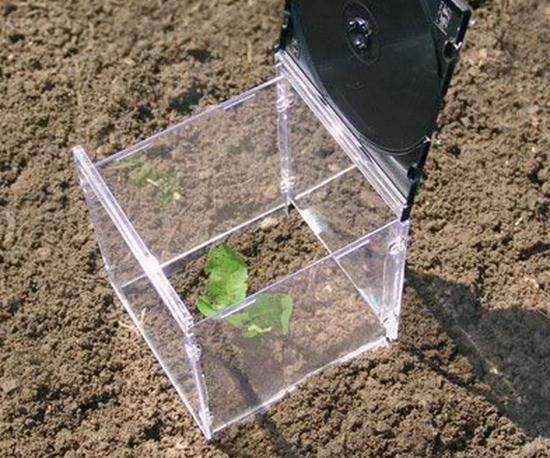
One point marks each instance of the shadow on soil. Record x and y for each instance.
(509, 350)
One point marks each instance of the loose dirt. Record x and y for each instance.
(470, 374)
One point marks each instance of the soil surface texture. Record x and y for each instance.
(470, 375)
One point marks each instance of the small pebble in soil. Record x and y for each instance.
(268, 223)
(9, 386)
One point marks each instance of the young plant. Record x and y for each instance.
(227, 284)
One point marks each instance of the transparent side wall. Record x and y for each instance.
(149, 312)
(330, 321)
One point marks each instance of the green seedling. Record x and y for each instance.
(227, 284)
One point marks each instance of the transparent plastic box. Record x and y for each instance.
(270, 168)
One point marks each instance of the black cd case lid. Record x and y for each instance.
(384, 67)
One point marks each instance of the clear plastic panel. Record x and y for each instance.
(377, 273)
(343, 209)
(353, 147)
(118, 260)
(314, 155)
(202, 178)
(175, 351)
(330, 320)
(328, 189)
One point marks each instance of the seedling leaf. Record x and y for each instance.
(270, 312)
(227, 278)
(254, 330)
(227, 285)
(205, 307)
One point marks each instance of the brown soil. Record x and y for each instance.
(470, 374)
